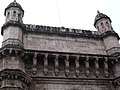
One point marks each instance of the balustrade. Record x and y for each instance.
(87, 67)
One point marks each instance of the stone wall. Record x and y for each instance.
(56, 43)
(72, 84)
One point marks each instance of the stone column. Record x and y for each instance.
(45, 70)
(106, 67)
(35, 63)
(56, 71)
(77, 70)
(96, 67)
(67, 72)
(87, 66)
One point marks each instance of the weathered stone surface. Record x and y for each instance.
(63, 44)
(73, 85)
(37, 57)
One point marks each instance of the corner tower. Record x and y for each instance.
(13, 28)
(12, 68)
(14, 12)
(102, 22)
(110, 38)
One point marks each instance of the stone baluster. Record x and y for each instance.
(45, 64)
(106, 67)
(67, 72)
(35, 63)
(87, 66)
(56, 71)
(97, 67)
(77, 70)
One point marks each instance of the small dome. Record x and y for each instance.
(14, 4)
(100, 16)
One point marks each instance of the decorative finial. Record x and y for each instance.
(98, 11)
(14, 0)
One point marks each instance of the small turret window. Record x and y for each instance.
(19, 17)
(102, 25)
(107, 24)
(14, 13)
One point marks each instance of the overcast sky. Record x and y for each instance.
(79, 14)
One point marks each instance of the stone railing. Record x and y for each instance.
(69, 65)
(61, 30)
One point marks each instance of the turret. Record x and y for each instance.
(12, 72)
(102, 23)
(14, 12)
(110, 38)
(13, 28)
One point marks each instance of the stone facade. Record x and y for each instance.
(36, 57)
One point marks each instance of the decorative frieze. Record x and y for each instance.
(14, 78)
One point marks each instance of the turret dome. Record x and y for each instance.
(13, 4)
(100, 16)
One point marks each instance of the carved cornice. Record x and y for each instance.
(109, 33)
(61, 31)
(73, 81)
(4, 52)
(116, 82)
(15, 75)
(68, 31)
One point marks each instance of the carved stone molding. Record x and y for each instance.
(116, 82)
(15, 75)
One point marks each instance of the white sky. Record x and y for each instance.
(68, 13)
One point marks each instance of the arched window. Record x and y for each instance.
(19, 17)
(14, 13)
(102, 25)
(107, 24)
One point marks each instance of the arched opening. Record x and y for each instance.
(102, 25)
(82, 64)
(61, 65)
(107, 24)
(19, 17)
(14, 13)
(92, 65)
